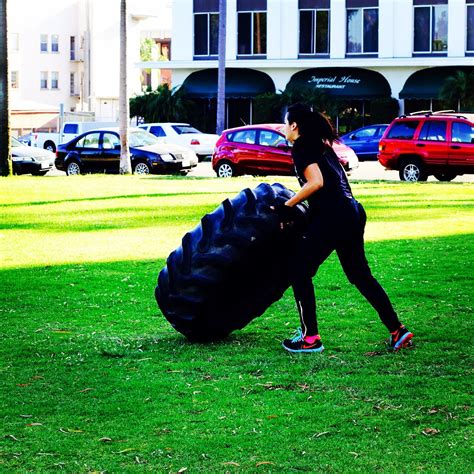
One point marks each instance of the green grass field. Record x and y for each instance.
(93, 378)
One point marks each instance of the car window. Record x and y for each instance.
(110, 141)
(71, 128)
(462, 133)
(181, 129)
(244, 136)
(433, 131)
(381, 131)
(91, 140)
(268, 138)
(157, 131)
(140, 138)
(14, 142)
(366, 133)
(403, 130)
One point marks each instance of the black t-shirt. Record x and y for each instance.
(336, 190)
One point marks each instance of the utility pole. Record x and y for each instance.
(220, 122)
(5, 148)
(124, 106)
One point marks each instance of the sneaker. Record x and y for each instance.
(298, 344)
(400, 338)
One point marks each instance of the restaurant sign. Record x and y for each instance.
(333, 82)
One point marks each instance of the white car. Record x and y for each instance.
(183, 134)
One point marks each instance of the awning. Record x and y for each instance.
(427, 83)
(343, 82)
(239, 83)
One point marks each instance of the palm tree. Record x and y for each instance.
(220, 121)
(460, 87)
(125, 164)
(5, 151)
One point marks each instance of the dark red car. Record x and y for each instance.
(262, 150)
(429, 143)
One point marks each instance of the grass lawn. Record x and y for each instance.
(93, 378)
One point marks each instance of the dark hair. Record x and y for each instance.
(311, 123)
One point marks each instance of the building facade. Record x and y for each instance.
(359, 49)
(64, 55)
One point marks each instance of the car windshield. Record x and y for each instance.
(14, 142)
(142, 138)
(181, 129)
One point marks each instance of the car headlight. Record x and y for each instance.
(167, 157)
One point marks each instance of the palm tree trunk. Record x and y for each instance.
(124, 106)
(220, 122)
(5, 150)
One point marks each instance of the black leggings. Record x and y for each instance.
(346, 236)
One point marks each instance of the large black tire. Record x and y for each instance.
(412, 169)
(231, 267)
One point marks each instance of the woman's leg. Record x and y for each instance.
(351, 254)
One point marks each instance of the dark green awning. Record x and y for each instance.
(343, 82)
(427, 83)
(239, 83)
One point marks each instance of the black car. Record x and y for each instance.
(98, 151)
(30, 160)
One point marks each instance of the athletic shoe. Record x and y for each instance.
(400, 338)
(298, 344)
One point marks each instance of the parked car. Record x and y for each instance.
(27, 159)
(263, 150)
(365, 141)
(184, 134)
(26, 139)
(98, 151)
(431, 143)
(69, 130)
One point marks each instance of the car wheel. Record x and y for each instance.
(225, 170)
(231, 267)
(73, 168)
(141, 168)
(50, 146)
(412, 170)
(445, 176)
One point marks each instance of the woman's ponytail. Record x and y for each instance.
(311, 123)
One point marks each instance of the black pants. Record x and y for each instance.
(343, 231)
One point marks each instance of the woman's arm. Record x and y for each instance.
(314, 182)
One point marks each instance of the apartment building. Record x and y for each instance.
(65, 55)
(350, 49)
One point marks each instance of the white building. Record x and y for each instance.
(67, 52)
(359, 49)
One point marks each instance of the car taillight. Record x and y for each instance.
(381, 147)
(194, 141)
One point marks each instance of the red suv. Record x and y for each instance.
(429, 143)
(262, 150)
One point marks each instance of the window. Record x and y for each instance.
(110, 141)
(462, 133)
(14, 42)
(180, 129)
(54, 43)
(314, 31)
(362, 30)
(268, 138)
(44, 80)
(403, 130)
(72, 83)
(470, 29)
(433, 131)
(244, 136)
(55, 80)
(206, 34)
(252, 33)
(72, 128)
(72, 48)
(44, 43)
(14, 79)
(157, 131)
(431, 29)
(91, 140)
